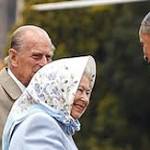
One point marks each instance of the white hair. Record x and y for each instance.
(145, 25)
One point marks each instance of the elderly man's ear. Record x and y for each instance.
(13, 57)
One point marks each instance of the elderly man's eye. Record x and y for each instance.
(49, 58)
(36, 56)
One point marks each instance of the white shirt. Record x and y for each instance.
(20, 85)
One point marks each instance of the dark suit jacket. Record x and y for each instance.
(9, 92)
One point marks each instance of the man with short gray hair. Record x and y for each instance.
(31, 48)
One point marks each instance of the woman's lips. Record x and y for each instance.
(79, 106)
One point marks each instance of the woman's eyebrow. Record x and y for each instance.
(82, 86)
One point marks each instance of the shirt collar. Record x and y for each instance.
(20, 85)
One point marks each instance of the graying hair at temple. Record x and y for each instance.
(145, 25)
(88, 73)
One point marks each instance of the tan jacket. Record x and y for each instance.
(9, 92)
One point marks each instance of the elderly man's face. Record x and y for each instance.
(145, 41)
(35, 54)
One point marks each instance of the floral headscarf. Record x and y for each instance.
(52, 90)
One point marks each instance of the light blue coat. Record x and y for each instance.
(39, 131)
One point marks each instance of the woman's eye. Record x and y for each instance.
(79, 89)
(87, 93)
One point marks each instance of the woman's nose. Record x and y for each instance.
(84, 97)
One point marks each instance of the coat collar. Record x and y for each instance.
(9, 85)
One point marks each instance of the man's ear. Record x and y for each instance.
(13, 57)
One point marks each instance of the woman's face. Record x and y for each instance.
(82, 96)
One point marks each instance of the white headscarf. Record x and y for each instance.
(52, 90)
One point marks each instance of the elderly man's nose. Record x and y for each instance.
(43, 61)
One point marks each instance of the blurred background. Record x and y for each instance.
(118, 117)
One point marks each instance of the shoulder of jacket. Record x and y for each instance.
(3, 74)
(41, 119)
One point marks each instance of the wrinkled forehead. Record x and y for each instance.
(145, 38)
(144, 29)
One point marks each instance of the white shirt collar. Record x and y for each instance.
(21, 86)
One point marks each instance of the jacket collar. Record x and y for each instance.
(9, 85)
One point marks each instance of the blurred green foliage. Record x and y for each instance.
(119, 112)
